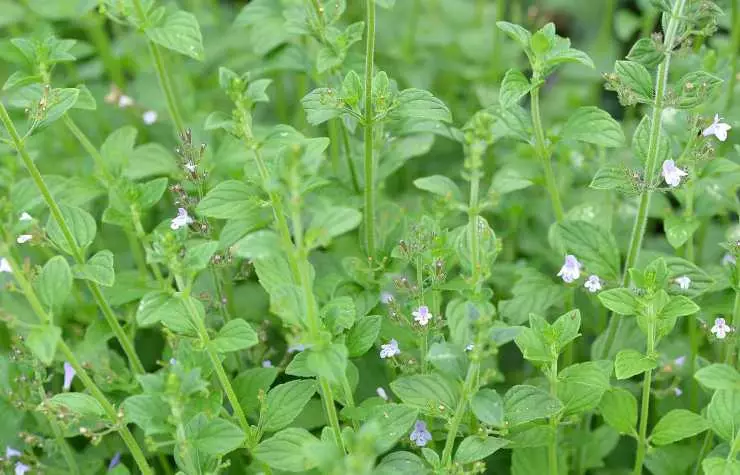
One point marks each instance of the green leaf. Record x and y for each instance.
(723, 413)
(645, 51)
(43, 341)
(394, 422)
(440, 185)
(285, 401)
(400, 463)
(678, 424)
(217, 437)
(619, 409)
(594, 246)
(426, 392)
(59, 101)
(363, 334)
(77, 403)
(156, 306)
(593, 125)
(385, 3)
(198, 257)
(54, 283)
(181, 33)
(637, 78)
(523, 404)
(248, 385)
(448, 359)
(610, 178)
(516, 33)
(236, 335)
(329, 223)
(720, 466)
(329, 362)
(229, 199)
(488, 407)
(565, 329)
(621, 301)
(700, 281)
(256, 90)
(148, 411)
(507, 180)
(421, 104)
(678, 229)
(474, 448)
(718, 376)
(99, 269)
(513, 87)
(696, 88)
(582, 385)
(339, 314)
(321, 105)
(629, 362)
(265, 24)
(288, 450)
(261, 244)
(81, 224)
(678, 306)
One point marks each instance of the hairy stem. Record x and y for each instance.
(67, 451)
(369, 135)
(462, 405)
(735, 49)
(645, 404)
(77, 252)
(96, 31)
(730, 355)
(544, 154)
(552, 448)
(638, 229)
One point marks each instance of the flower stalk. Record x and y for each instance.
(369, 122)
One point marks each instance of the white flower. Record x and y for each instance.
(422, 315)
(677, 391)
(24, 238)
(571, 269)
(470, 347)
(684, 282)
(718, 129)
(182, 219)
(21, 468)
(593, 283)
(10, 452)
(296, 347)
(720, 328)
(728, 260)
(267, 364)
(25, 217)
(390, 349)
(381, 394)
(672, 174)
(69, 376)
(173, 361)
(191, 167)
(386, 297)
(125, 101)
(5, 266)
(149, 117)
(680, 360)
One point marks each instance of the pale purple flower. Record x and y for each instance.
(571, 269)
(680, 361)
(386, 297)
(720, 328)
(5, 266)
(190, 166)
(182, 219)
(10, 452)
(24, 238)
(469, 347)
(420, 435)
(593, 283)
(390, 349)
(25, 217)
(267, 364)
(422, 315)
(728, 260)
(677, 391)
(296, 347)
(21, 468)
(125, 101)
(114, 461)
(684, 282)
(382, 394)
(69, 375)
(717, 128)
(672, 174)
(149, 117)
(173, 361)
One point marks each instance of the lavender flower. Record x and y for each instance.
(386, 297)
(114, 461)
(25, 217)
(571, 269)
(381, 394)
(593, 283)
(182, 219)
(684, 282)
(149, 117)
(125, 101)
(296, 347)
(69, 375)
(720, 328)
(24, 238)
(717, 128)
(390, 349)
(420, 435)
(21, 468)
(422, 315)
(267, 364)
(728, 260)
(5, 266)
(10, 452)
(677, 391)
(680, 361)
(672, 174)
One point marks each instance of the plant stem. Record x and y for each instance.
(544, 154)
(734, 71)
(730, 356)
(462, 405)
(638, 230)
(552, 448)
(63, 445)
(645, 403)
(705, 446)
(369, 135)
(348, 157)
(96, 31)
(473, 228)
(77, 252)
(70, 357)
